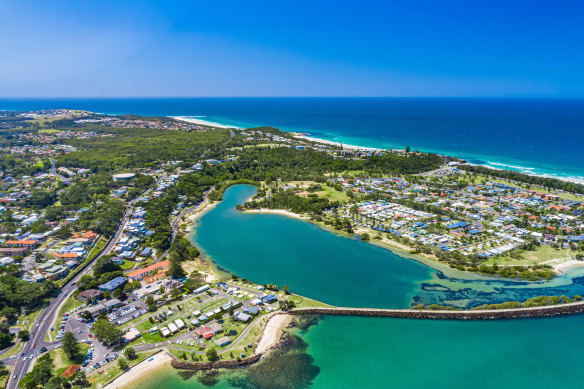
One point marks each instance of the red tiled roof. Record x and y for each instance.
(21, 242)
(72, 369)
(147, 269)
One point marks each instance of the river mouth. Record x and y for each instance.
(355, 352)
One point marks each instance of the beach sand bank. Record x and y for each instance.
(273, 332)
(568, 265)
(282, 212)
(194, 120)
(333, 143)
(148, 366)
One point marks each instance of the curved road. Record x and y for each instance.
(46, 317)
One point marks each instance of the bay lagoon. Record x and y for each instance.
(338, 352)
(533, 136)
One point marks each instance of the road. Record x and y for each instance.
(176, 219)
(54, 171)
(46, 317)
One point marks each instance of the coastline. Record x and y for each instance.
(497, 165)
(405, 251)
(335, 143)
(214, 273)
(156, 362)
(394, 247)
(566, 266)
(192, 120)
(277, 212)
(272, 332)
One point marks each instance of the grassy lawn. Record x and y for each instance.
(542, 254)
(29, 319)
(188, 306)
(15, 350)
(567, 196)
(4, 377)
(251, 337)
(127, 265)
(305, 302)
(100, 244)
(332, 194)
(148, 336)
(359, 173)
(326, 191)
(179, 354)
(147, 262)
(61, 360)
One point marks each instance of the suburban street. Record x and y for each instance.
(47, 316)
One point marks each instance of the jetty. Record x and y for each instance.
(487, 314)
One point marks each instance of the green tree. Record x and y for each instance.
(119, 294)
(123, 364)
(56, 383)
(3, 369)
(41, 373)
(192, 284)
(23, 335)
(80, 379)
(106, 331)
(151, 303)
(86, 315)
(70, 345)
(130, 353)
(175, 268)
(212, 354)
(175, 293)
(9, 313)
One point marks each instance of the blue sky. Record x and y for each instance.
(302, 48)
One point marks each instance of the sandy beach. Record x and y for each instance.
(159, 360)
(194, 120)
(273, 332)
(567, 265)
(278, 212)
(333, 143)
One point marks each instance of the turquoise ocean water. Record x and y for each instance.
(534, 136)
(350, 352)
(538, 136)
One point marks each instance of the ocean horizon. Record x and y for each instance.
(534, 136)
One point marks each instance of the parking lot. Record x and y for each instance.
(134, 309)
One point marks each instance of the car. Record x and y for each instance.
(33, 345)
(22, 354)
